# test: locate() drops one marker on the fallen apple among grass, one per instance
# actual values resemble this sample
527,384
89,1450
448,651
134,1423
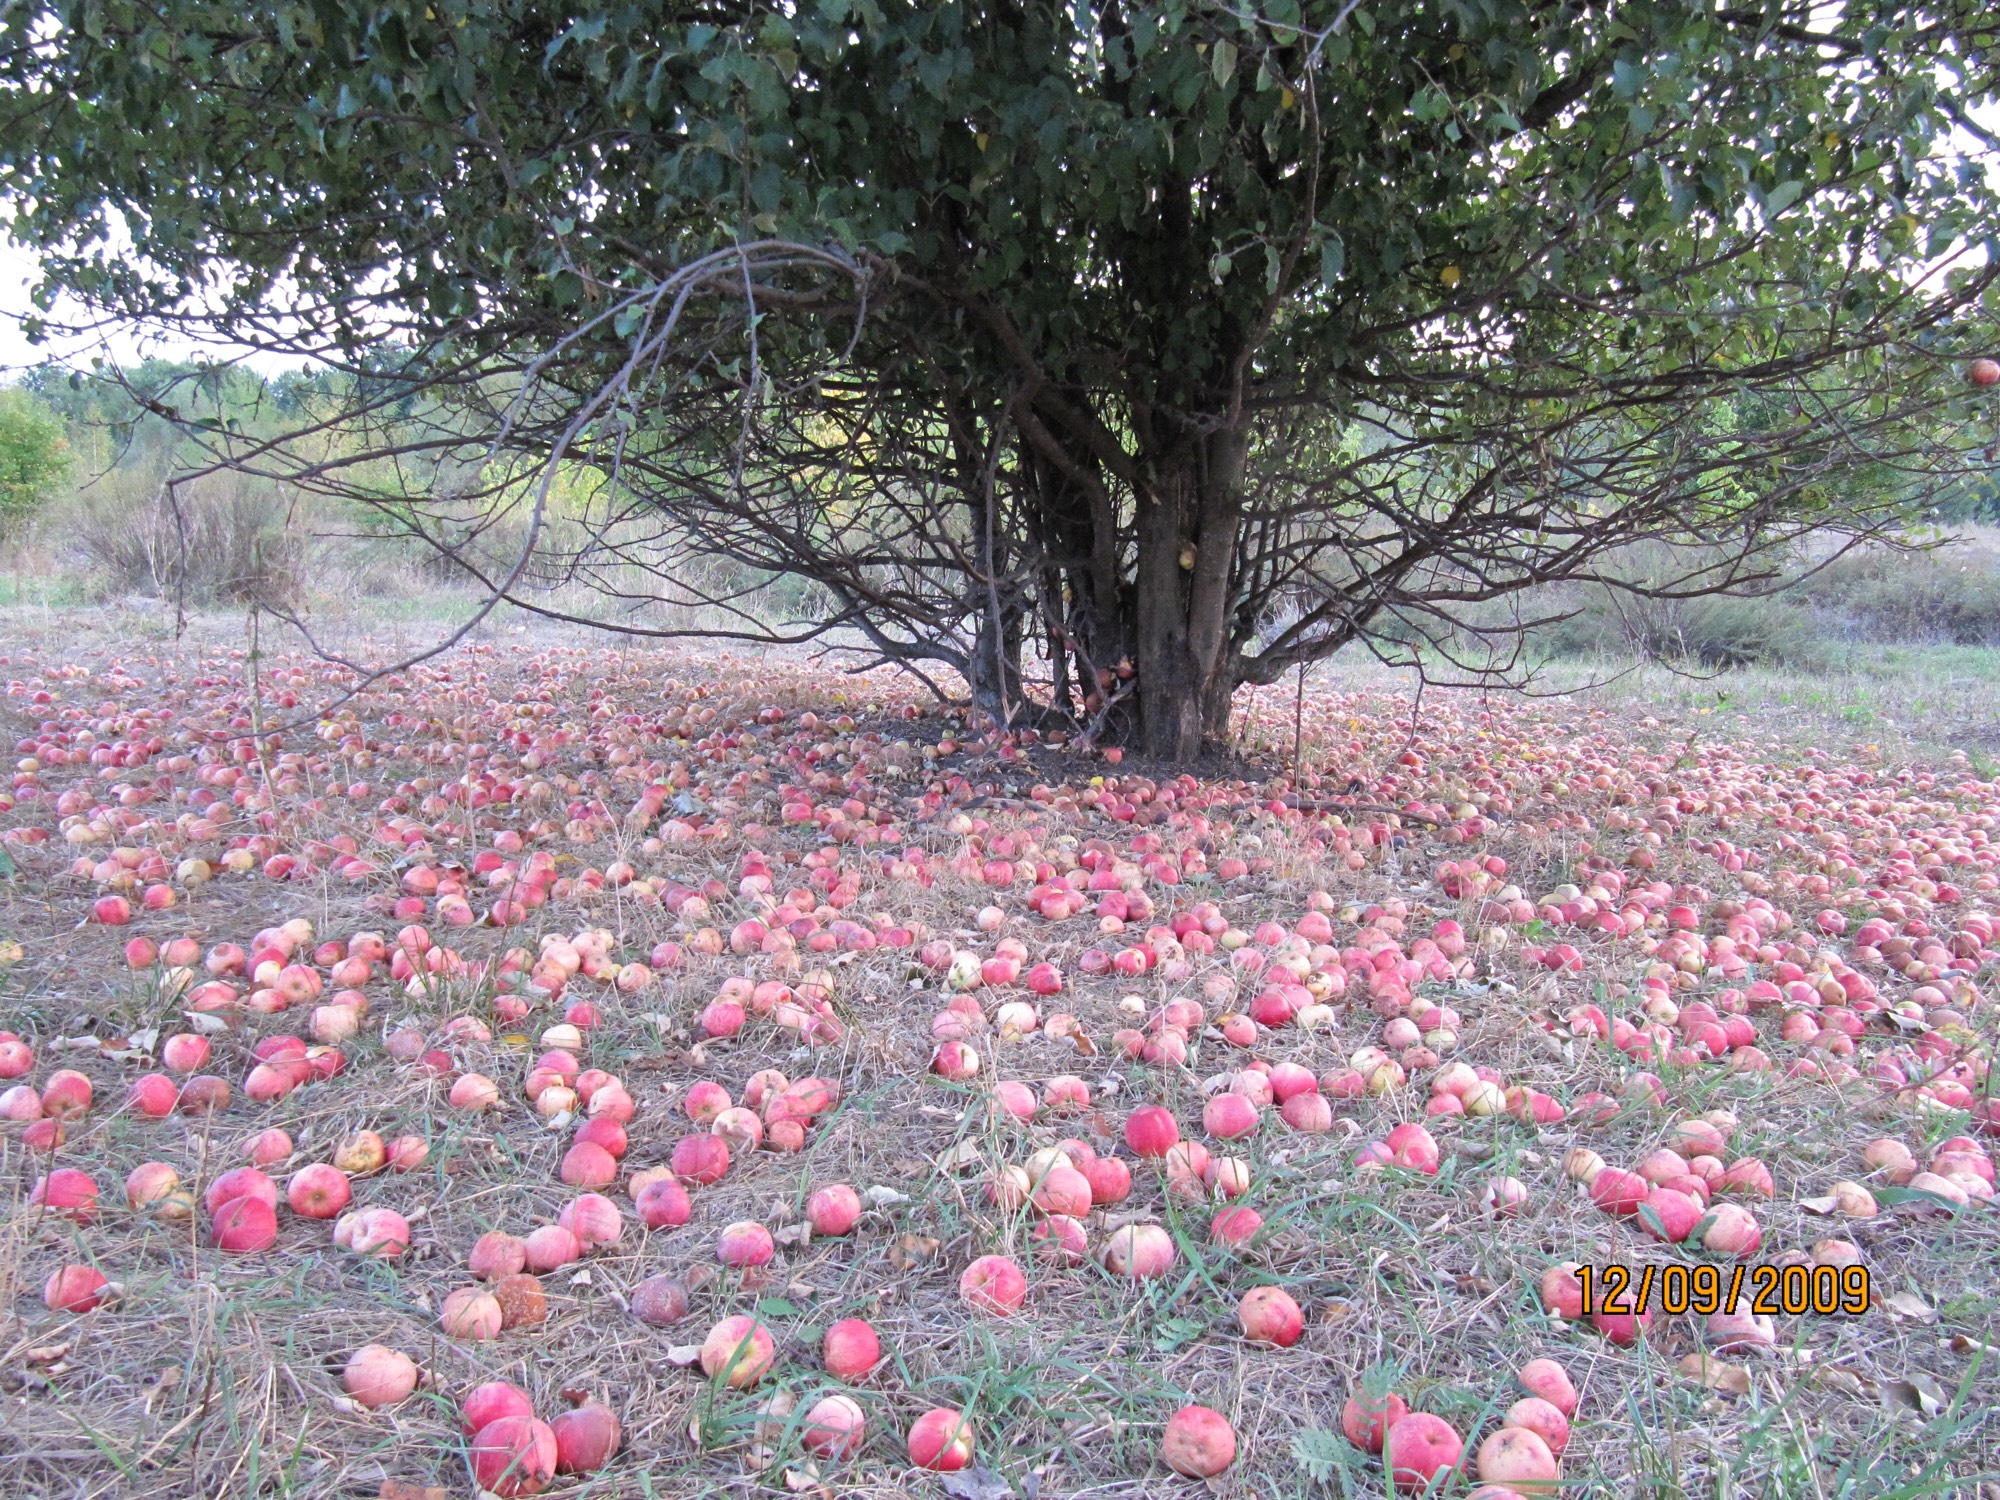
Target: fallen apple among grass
739,1072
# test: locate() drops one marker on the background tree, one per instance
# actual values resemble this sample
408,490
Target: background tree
34,455
1173,344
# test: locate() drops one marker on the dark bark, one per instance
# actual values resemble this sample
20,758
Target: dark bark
1188,527
994,673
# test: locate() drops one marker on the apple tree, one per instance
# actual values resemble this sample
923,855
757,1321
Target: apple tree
1109,355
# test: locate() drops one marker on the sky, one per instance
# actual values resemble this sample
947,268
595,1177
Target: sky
123,346
17,270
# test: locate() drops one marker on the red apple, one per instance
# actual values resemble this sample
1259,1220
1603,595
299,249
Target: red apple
1550,1381
1739,1330
68,1193
471,1312
1541,1418
834,1427
1236,1225
153,1095
268,1147
1198,1442
67,1094
739,1351
376,1375
1151,1131
833,1210
941,1440
1366,1419
745,1243
1062,1190
1140,1250
1413,1148
244,1225
699,1160
1420,1448
588,1166
1619,1192
496,1254
1562,1291
1110,1180
1310,1113
1519,1459
550,1247
586,1437
373,1233
1732,1231
705,1100
1676,1213
850,1349
593,1219
492,1401
1228,1117
240,1182
149,1183
514,1456
663,1204
1621,1328
75,1289
1269,1315
994,1284
318,1191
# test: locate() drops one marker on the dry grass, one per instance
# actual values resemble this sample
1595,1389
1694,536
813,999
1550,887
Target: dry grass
216,1375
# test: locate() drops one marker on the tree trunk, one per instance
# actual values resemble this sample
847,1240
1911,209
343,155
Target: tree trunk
1187,535
994,673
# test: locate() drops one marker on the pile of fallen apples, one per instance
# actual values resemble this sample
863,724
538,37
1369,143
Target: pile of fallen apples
1745,918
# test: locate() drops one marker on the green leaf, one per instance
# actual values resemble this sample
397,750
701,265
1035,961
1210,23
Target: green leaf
1222,61
588,29
1782,197
1170,1333
1332,259
8,869
775,1307
1892,1195
1323,1455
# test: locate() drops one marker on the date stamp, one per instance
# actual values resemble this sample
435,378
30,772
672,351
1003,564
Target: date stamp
1828,1291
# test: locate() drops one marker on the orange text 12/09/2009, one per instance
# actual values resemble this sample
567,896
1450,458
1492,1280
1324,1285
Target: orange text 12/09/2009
1770,1289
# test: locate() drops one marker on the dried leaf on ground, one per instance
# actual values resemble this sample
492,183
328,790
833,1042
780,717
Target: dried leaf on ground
1716,1374
977,1483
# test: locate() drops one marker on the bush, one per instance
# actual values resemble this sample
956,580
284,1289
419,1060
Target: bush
232,541
1713,631
1949,596
1946,596
34,455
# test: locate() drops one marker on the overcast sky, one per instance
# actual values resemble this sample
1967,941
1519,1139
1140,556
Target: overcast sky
123,345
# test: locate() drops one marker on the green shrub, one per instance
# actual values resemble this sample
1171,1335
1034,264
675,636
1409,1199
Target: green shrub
34,455
1717,630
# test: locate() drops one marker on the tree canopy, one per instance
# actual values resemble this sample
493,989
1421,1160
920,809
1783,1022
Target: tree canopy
1169,344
